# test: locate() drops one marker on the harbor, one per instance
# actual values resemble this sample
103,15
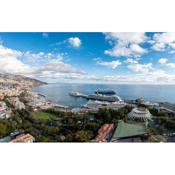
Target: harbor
60,92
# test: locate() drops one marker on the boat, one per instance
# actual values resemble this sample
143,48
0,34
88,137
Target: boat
103,97
97,96
105,91
75,94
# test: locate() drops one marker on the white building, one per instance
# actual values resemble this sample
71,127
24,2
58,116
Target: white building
4,111
140,113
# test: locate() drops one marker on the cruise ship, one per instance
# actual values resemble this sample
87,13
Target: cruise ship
105,92
97,96
101,97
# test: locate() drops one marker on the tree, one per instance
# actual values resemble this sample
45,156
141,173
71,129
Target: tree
83,136
3,129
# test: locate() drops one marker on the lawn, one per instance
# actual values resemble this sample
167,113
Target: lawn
44,116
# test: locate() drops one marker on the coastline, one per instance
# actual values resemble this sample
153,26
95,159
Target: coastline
47,100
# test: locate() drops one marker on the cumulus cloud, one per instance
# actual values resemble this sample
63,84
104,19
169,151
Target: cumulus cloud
52,65
158,46
10,63
131,61
164,61
127,37
75,42
141,68
40,57
59,66
56,69
9,53
153,77
137,49
126,44
110,64
163,41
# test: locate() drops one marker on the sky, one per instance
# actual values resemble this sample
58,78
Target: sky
124,58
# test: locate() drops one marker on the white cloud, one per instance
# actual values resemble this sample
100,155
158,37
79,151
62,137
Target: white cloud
163,41
172,65
137,49
75,42
118,51
149,77
141,68
8,53
172,45
131,61
127,37
171,52
14,66
45,35
59,66
158,46
110,64
9,62
166,38
40,57
56,69
126,44
164,61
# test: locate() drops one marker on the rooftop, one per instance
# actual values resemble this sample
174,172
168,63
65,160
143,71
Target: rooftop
5,139
125,130
104,132
23,138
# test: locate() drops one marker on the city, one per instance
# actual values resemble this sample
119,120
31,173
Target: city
26,116
87,87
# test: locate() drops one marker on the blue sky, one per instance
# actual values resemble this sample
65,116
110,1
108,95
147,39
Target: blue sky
146,58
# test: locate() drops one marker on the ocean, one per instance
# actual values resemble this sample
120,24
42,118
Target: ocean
59,92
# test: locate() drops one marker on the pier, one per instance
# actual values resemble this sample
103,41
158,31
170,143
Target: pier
77,94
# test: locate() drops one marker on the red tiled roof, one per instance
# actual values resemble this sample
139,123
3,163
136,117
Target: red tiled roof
104,131
23,138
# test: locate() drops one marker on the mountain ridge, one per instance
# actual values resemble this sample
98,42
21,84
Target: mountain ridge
14,78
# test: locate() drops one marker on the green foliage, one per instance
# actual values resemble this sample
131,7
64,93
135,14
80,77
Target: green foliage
4,128
153,111
141,105
170,124
43,115
52,125
112,116
83,136
7,102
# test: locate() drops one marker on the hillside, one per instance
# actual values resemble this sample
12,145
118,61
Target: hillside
16,79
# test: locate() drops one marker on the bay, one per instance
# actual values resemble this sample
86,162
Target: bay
59,92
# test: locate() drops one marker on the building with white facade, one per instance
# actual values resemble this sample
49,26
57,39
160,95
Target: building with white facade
139,113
